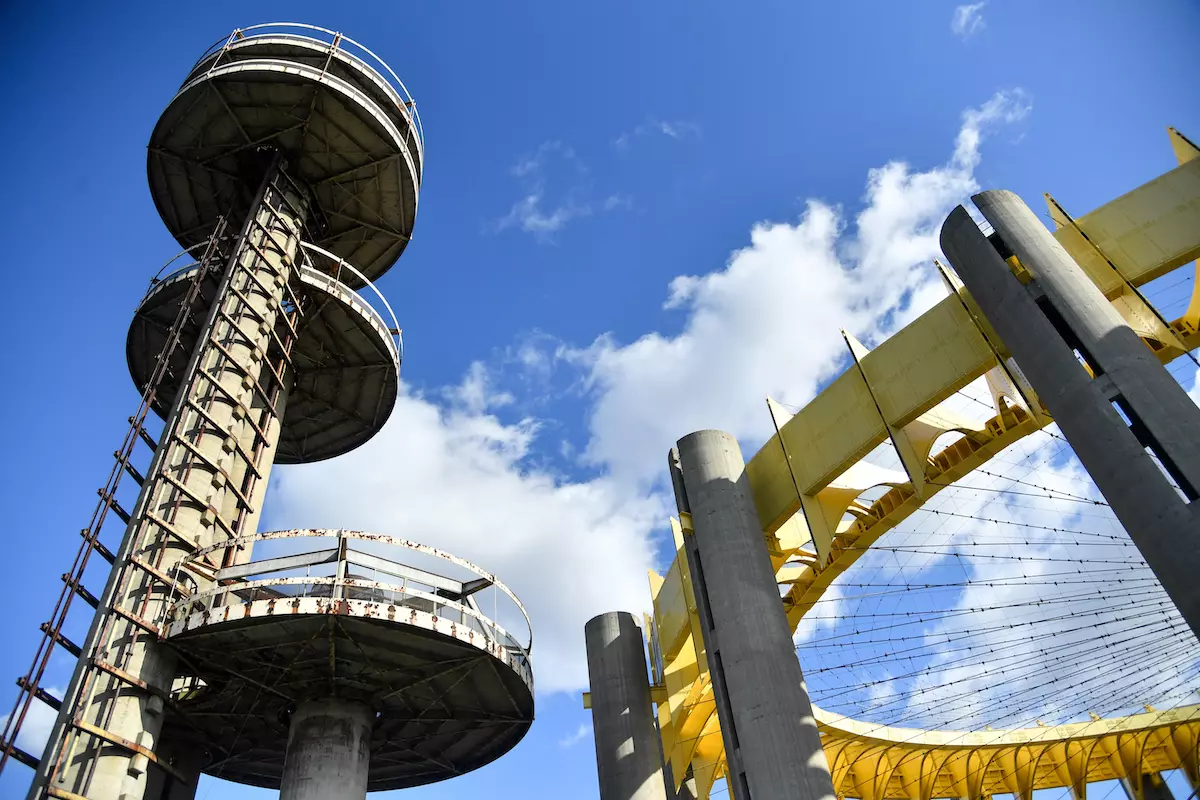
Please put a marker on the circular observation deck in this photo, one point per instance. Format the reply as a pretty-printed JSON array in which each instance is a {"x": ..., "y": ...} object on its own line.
[
  {"x": 346, "y": 358},
  {"x": 451, "y": 689},
  {"x": 346, "y": 124}
]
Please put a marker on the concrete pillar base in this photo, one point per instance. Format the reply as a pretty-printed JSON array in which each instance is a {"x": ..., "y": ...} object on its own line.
[{"x": 329, "y": 751}]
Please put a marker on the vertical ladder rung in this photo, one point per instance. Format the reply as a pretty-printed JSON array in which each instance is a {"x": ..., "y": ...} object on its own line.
[
  {"x": 62, "y": 641},
  {"x": 77, "y": 587},
  {"x": 40, "y": 694}
]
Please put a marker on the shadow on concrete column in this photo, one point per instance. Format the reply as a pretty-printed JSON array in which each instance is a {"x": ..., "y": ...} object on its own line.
[
  {"x": 328, "y": 751},
  {"x": 628, "y": 749},
  {"x": 1150, "y": 789},
  {"x": 771, "y": 739},
  {"x": 1131, "y": 405}
]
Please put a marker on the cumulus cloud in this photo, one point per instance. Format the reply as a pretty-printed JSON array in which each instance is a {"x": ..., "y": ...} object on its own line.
[
  {"x": 768, "y": 322},
  {"x": 582, "y": 732},
  {"x": 458, "y": 478},
  {"x": 968, "y": 19},
  {"x": 555, "y": 190},
  {"x": 39, "y": 721}
]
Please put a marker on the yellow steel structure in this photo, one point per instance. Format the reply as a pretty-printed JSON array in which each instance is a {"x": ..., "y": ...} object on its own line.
[{"x": 808, "y": 479}]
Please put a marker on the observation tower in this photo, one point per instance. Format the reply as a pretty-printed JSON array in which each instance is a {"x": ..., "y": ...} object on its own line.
[{"x": 288, "y": 165}]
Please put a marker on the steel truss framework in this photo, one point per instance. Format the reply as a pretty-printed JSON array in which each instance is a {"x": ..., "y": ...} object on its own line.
[{"x": 808, "y": 481}]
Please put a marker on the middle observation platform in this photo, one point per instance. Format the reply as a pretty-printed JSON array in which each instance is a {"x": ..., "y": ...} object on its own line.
[{"x": 345, "y": 357}]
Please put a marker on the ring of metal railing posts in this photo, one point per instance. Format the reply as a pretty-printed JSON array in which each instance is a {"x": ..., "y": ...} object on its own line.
[
  {"x": 318, "y": 261},
  {"x": 275, "y": 578},
  {"x": 334, "y": 267},
  {"x": 335, "y": 41}
]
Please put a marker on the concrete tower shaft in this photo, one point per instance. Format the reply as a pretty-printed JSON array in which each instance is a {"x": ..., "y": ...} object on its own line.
[{"x": 205, "y": 485}]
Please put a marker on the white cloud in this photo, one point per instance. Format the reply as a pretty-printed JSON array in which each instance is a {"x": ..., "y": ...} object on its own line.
[
  {"x": 475, "y": 394},
  {"x": 618, "y": 201},
  {"x": 768, "y": 322},
  {"x": 555, "y": 190},
  {"x": 454, "y": 475},
  {"x": 968, "y": 19},
  {"x": 582, "y": 732},
  {"x": 39, "y": 721},
  {"x": 458, "y": 479},
  {"x": 528, "y": 215},
  {"x": 672, "y": 129}
]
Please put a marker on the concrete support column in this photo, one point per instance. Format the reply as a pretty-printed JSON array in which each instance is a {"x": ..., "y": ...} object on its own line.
[
  {"x": 329, "y": 751},
  {"x": 1110, "y": 420},
  {"x": 687, "y": 789},
  {"x": 767, "y": 723},
  {"x": 628, "y": 750},
  {"x": 188, "y": 762},
  {"x": 1154, "y": 787}
]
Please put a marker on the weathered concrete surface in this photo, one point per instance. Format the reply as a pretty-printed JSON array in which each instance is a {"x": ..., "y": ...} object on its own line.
[
  {"x": 328, "y": 751},
  {"x": 1158, "y": 520},
  {"x": 768, "y": 726},
  {"x": 1150, "y": 789},
  {"x": 628, "y": 750}
]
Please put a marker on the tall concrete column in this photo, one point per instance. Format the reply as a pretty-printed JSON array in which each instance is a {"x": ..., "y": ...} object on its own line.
[
  {"x": 329, "y": 750},
  {"x": 767, "y": 723},
  {"x": 1110, "y": 420},
  {"x": 628, "y": 751}
]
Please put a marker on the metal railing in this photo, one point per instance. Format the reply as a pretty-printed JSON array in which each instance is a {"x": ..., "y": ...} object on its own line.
[
  {"x": 341, "y": 575},
  {"x": 321, "y": 262},
  {"x": 335, "y": 41},
  {"x": 334, "y": 266}
]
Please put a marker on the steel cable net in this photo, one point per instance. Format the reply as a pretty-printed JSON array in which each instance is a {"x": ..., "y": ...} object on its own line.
[{"x": 1012, "y": 599}]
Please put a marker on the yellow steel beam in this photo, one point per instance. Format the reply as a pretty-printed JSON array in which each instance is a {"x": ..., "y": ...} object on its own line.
[{"x": 807, "y": 478}]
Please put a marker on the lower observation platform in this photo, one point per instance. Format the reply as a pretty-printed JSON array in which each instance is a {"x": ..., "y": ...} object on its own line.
[
  {"x": 451, "y": 689},
  {"x": 346, "y": 358}
]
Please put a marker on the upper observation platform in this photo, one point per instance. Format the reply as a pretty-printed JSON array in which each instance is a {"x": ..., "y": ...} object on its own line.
[
  {"x": 418, "y": 640},
  {"x": 346, "y": 124}
]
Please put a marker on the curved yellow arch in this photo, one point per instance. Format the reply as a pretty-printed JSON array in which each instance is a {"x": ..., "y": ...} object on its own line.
[{"x": 897, "y": 392}]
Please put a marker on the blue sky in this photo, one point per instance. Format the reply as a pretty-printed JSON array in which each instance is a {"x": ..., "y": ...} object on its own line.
[{"x": 582, "y": 162}]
